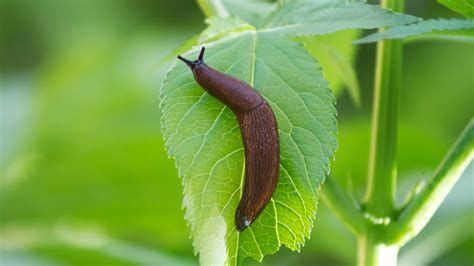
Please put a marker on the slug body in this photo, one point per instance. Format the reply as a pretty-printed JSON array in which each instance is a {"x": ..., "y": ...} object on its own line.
[{"x": 259, "y": 132}]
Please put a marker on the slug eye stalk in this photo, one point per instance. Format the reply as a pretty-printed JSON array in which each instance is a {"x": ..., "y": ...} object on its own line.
[{"x": 195, "y": 63}]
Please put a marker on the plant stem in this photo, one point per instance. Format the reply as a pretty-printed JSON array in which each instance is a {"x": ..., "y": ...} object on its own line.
[
  {"x": 372, "y": 251},
  {"x": 420, "y": 210},
  {"x": 345, "y": 208},
  {"x": 379, "y": 205},
  {"x": 382, "y": 162}
]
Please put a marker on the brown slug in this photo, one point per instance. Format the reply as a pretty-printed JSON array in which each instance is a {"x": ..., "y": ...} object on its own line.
[{"x": 259, "y": 131}]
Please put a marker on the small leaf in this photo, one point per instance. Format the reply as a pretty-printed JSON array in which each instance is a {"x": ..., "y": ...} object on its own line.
[
  {"x": 203, "y": 136},
  {"x": 251, "y": 11},
  {"x": 213, "y": 8},
  {"x": 335, "y": 52},
  {"x": 219, "y": 27},
  {"x": 453, "y": 29},
  {"x": 306, "y": 17},
  {"x": 464, "y": 7}
]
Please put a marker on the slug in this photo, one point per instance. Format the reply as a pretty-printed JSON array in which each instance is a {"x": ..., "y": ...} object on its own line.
[{"x": 259, "y": 131}]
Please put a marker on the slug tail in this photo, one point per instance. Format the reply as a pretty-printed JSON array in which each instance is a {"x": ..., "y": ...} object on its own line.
[{"x": 262, "y": 163}]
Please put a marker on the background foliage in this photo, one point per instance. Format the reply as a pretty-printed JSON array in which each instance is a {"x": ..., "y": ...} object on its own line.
[{"x": 83, "y": 172}]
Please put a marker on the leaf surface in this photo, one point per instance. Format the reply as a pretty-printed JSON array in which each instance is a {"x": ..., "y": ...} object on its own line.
[
  {"x": 306, "y": 17},
  {"x": 336, "y": 53},
  {"x": 465, "y": 7},
  {"x": 203, "y": 136},
  {"x": 453, "y": 29},
  {"x": 252, "y": 11}
]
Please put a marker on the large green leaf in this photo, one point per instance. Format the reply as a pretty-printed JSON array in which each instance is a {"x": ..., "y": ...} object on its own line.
[
  {"x": 452, "y": 29},
  {"x": 306, "y": 17},
  {"x": 465, "y": 7},
  {"x": 203, "y": 135}
]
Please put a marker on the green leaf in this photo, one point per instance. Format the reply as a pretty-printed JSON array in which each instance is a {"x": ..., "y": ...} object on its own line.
[
  {"x": 453, "y": 29},
  {"x": 219, "y": 27},
  {"x": 216, "y": 29},
  {"x": 335, "y": 52},
  {"x": 213, "y": 8},
  {"x": 306, "y": 17},
  {"x": 252, "y": 11},
  {"x": 464, "y": 7},
  {"x": 203, "y": 136}
]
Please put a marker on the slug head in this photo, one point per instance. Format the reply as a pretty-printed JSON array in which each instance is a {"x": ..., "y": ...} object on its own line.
[{"x": 195, "y": 63}]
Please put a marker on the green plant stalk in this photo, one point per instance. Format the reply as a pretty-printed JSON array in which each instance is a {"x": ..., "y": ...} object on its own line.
[
  {"x": 379, "y": 204},
  {"x": 344, "y": 207},
  {"x": 381, "y": 181},
  {"x": 373, "y": 251},
  {"x": 419, "y": 211}
]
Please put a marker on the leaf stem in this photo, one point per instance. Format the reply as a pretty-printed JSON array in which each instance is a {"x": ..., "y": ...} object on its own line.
[
  {"x": 381, "y": 182},
  {"x": 345, "y": 208},
  {"x": 420, "y": 210}
]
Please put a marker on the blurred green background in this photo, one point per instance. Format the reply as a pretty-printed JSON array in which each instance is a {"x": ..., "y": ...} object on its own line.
[{"x": 84, "y": 177}]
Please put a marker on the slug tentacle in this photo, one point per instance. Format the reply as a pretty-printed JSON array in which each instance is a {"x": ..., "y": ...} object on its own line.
[
  {"x": 259, "y": 131},
  {"x": 201, "y": 54},
  {"x": 195, "y": 63}
]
